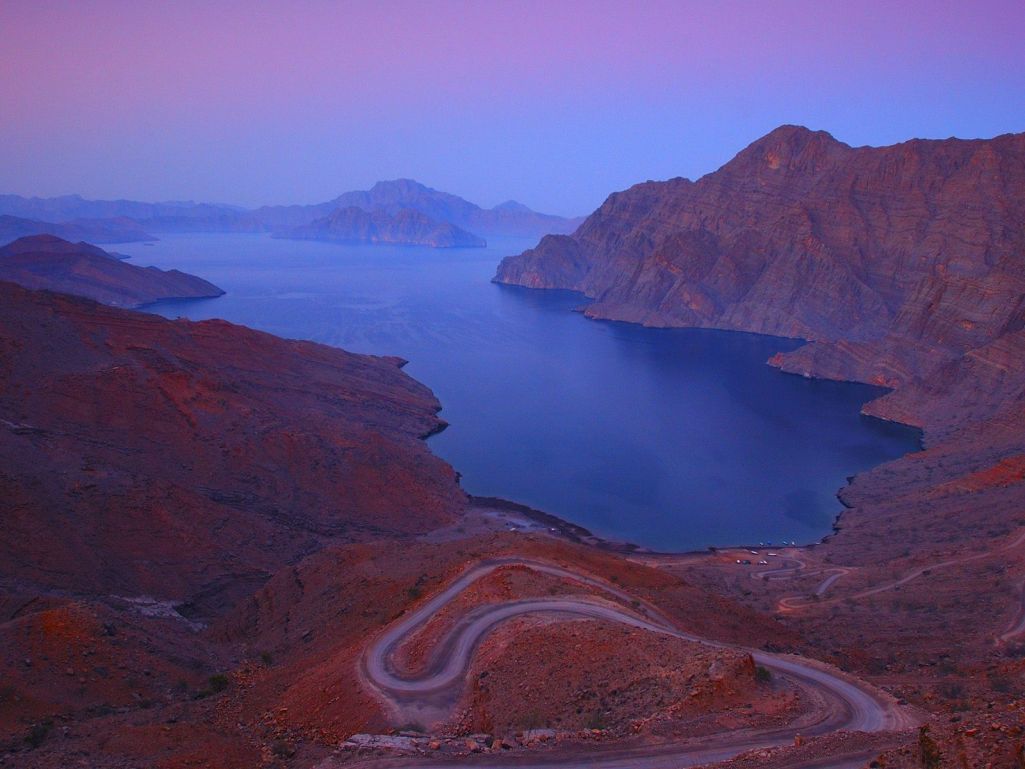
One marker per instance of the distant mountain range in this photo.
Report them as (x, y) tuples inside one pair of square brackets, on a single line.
[(48, 262), (437, 212), (118, 230)]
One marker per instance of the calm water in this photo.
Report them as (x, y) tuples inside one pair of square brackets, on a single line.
[(673, 439)]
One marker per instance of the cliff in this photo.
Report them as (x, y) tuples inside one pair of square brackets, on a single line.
[(405, 227), (48, 262), (893, 260)]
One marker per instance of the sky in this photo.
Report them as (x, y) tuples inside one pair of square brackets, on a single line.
[(555, 104)]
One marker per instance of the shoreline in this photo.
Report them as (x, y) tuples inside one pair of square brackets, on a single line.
[(580, 535), (625, 547)]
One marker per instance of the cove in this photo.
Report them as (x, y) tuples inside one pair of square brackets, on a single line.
[(671, 439)]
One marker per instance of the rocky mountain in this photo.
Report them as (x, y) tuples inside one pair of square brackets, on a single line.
[(507, 219), (92, 230), (891, 259), (405, 227), (48, 262)]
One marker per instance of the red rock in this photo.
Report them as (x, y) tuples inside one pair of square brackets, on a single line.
[(188, 461)]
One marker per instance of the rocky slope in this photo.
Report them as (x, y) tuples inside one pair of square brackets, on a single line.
[(92, 230), (48, 262), (406, 227), (892, 259), (186, 461), (154, 474)]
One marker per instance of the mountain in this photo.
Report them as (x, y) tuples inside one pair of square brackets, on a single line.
[(69, 207), (891, 259), (93, 230), (507, 219), (405, 227), (48, 262), (391, 197)]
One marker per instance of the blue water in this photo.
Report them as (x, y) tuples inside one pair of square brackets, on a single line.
[(672, 439)]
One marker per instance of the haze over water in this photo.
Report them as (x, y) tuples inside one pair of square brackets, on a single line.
[(672, 439)]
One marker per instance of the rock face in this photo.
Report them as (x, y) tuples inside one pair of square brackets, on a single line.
[(48, 262), (92, 230), (904, 256), (405, 227), (187, 461)]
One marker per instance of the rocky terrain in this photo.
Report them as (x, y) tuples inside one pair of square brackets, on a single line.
[(156, 473), (48, 262), (227, 549), (406, 227), (906, 254), (91, 230)]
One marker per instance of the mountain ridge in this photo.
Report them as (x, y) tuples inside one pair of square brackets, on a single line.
[(117, 230), (387, 196), (912, 253), (51, 263)]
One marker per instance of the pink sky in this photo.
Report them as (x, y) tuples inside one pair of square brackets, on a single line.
[(556, 104)]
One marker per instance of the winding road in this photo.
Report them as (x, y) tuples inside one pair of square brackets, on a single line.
[(430, 696), (792, 603)]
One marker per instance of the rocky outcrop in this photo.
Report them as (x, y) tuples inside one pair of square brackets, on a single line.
[(48, 262), (405, 227), (892, 259), (188, 461)]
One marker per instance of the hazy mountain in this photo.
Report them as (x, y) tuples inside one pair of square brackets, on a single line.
[(68, 207), (391, 197), (405, 227), (508, 219), (119, 230)]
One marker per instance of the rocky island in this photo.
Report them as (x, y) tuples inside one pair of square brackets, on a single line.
[(406, 227)]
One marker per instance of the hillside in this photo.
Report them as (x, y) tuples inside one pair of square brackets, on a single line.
[(48, 262), (195, 430)]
